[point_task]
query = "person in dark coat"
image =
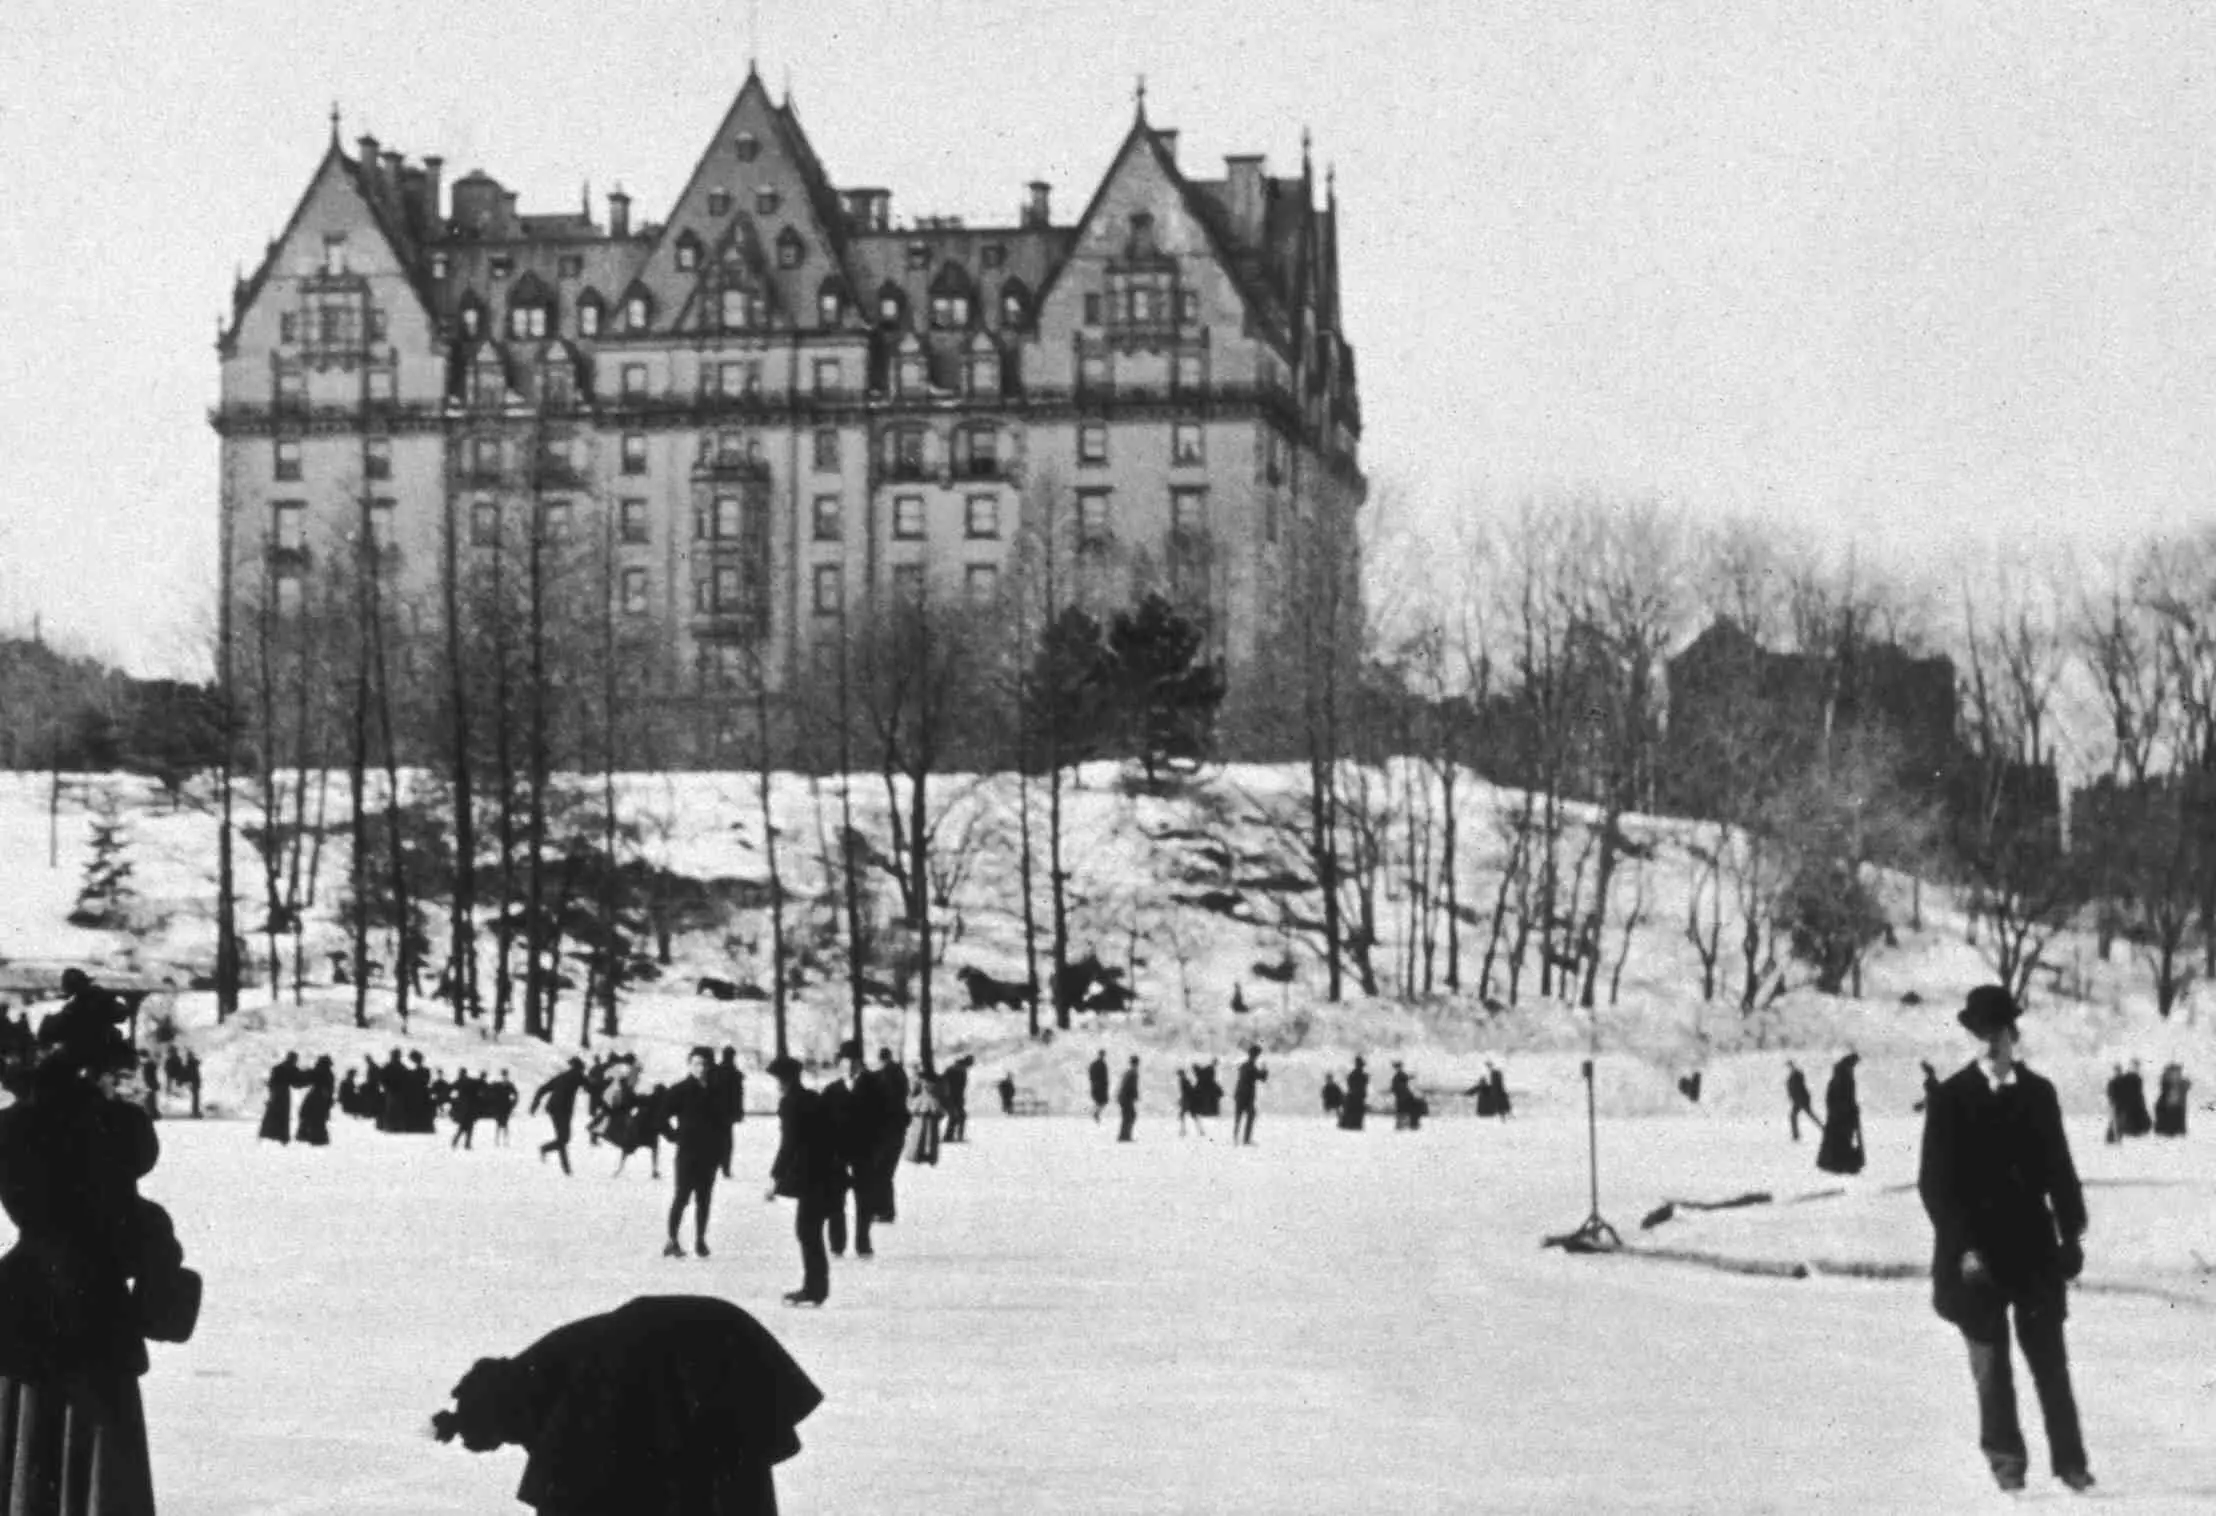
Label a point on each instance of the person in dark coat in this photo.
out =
(315, 1104)
(1096, 1075)
(2115, 1093)
(891, 1084)
(1502, 1106)
(806, 1171)
(2170, 1101)
(954, 1094)
(673, 1405)
(1006, 1090)
(1841, 1150)
(277, 1114)
(698, 1123)
(94, 1273)
(2133, 1119)
(465, 1102)
(1127, 1099)
(150, 1084)
(559, 1096)
(392, 1081)
(1796, 1091)
(2007, 1218)
(1334, 1098)
(1188, 1104)
(1931, 1083)
(1356, 1107)
(1245, 1084)
(729, 1083)
(854, 1119)
(192, 1082)
(500, 1104)
(1407, 1104)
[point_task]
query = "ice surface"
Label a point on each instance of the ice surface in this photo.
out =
(1324, 1322)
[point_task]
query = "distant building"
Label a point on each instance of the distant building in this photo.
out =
(778, 403)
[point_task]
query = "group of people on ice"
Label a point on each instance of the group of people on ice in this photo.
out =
(1840, 1151)
(2127, 1103)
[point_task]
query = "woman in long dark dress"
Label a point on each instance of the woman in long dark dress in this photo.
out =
(315, 1105)
(277, 1115)
(1356, 1106)
(1841, 1149)
(72, 1425)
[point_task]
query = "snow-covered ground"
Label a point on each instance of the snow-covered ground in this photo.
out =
(1324, 1322)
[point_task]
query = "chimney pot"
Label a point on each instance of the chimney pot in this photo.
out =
(1037, 212)
(433, 200)
(619, 214)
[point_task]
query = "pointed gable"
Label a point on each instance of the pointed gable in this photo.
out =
(757, 185)
(336, 204)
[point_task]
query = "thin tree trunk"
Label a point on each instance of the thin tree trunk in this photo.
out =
(462, 953)
(769, 850)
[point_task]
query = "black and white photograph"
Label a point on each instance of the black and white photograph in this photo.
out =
(1179, 758)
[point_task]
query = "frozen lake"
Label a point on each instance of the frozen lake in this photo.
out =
(1325, 1322)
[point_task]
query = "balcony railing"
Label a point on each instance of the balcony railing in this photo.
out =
(558, 474)
(731, 466)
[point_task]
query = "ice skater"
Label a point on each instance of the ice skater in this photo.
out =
(559, 1096)
(1355, 1109)
(315, 1105)
(1096, 1074)
(284, 1077)
(1188, 1105)
(1841, 1150)
(1127, 1099)
(954, 1094)
(890, 1082)
(1796, 1092)
(2007, 1215)
(805, 1171)
(729, 1084)
(1244, 1085)
(692, 1115)
(2170, 1100)
(1409, 1107)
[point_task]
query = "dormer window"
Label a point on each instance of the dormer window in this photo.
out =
(719, 202)
(738, 310)
(527, 322)
(913, 374)
(588, 315)
(688, 253)
(1015, 308)
(638, 313)
(766, 201)
(919, 255)
(747, 147)
(950, 311)
(558, 384)
(892, 306)
(791, 250)
(288, 327)
(830, 305)
(334, 255)
(984, 372)
(438, 265)
(488, 381)
(502, 265)
(473, 320)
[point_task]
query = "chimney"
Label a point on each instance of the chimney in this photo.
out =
(1036, 213)
(415, 209)
(508, 218)
(619, 214)
(434, 216)
(1167, 136)
(1242, 177)
(368, 146)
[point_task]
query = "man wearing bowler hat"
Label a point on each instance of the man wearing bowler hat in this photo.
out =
(2007, 1215)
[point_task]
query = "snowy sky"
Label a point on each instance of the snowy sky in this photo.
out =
(1916, 273)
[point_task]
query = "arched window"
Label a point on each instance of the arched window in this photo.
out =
(950, 298)
(472, 317)
(638, 311)
(892, 305)
(734, 309)
(488, 376)
(981, 367)
(591, 311)
(830, 303)
(792, 250)
(912, 373)
(688, 252)
(1015, 304)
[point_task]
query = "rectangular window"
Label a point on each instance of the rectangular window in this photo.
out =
(634, 524)
(376, 323)
(1189, 512)
(288, 530)
(554, 520)
(1092, 442)
(719, 202)
(828, 376)
(377, 458)
(830, 594)
(634, 452)
(1092, 517)
(904, 452)
(288, 458)
(380, 386)
(290, 593)
(570, 266)
(912, 374)
(384, 525)
(995, 254)
(982, 582)
(1092, 310)
(826, 518)
(1092, 373)
(588, 320)
(1185, 442)
(484, 523)
(908, 583)
(1188, 307)
(502, 265)
(484, 456)
(919, 255)
(634, 380)
(334, 254)
(1189, 380)
(981, 516)
(827, 449)
(634, 592)
(984, 373)
(727, 587)
(733, 311)
(729, 512)
(438, 265)
(288, 327)
(908, 517)
(729, 380)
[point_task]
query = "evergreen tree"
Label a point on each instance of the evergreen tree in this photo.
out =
(1167, 692)
(105, 900)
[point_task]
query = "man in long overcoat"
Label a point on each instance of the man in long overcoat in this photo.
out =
(693, 1114)
(1127, 1099)
(806, 1170)
(2006, 1214)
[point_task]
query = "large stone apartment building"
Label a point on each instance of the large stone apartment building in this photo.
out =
(778, 402)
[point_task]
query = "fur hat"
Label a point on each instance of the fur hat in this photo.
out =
(1989, 1008)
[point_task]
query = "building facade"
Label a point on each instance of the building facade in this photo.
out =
(777, 404)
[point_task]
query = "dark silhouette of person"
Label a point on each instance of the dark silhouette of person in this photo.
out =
(2170, 1101)
(1245, 1083)
(277, 1114)
(150, 1084)
(806, 1171)
(1127, 1099)
(890, 1082)
(2133, 1118)
(925, 1112)
(1355, 1109)
(729, 1084)
(94, 1273)
(1096, 1074)
(559, 1096)
(1006, 1089)
(2115, 1093)
(319, 1093)
(854, 1117)
(1407, 1105)
(2007, 1215)
(500, 1104)
(393, 1082)
(1334, 1098)
(466, 1102)
(1188, 1104)
(1796, 1093)
(1931, 1083)
(192, 1082)
(668, 1405)
(698, 1122)
(954, 1094)
(1841, 1150)
(1502, 1106)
